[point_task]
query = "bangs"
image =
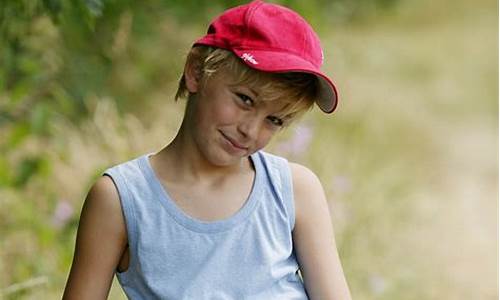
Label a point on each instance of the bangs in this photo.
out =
(296, 89)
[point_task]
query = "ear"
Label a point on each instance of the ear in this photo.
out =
(193, 71)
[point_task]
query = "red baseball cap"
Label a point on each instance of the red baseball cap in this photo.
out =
(272, 38)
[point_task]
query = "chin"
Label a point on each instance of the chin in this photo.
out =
(223, 159)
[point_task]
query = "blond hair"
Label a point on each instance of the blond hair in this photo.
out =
(298, 90)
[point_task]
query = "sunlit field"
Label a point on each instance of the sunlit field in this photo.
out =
(409, 161)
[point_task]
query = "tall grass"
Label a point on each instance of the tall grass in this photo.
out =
(408, 162)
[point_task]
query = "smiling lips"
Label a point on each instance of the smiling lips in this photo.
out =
(234, 143)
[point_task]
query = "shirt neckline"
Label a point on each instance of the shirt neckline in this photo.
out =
(197, 225)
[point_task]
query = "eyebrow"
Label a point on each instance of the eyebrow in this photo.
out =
(279, 114)
(254, 92)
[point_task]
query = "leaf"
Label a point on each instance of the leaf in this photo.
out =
(39, 119)
(18, 134)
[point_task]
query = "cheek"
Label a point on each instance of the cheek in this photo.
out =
(226, 113)
(214, 114)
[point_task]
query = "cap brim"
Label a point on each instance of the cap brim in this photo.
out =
(274, 61)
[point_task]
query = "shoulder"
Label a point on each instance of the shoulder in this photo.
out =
(314, 240)
(309, 195)
(103, 186)
(101, 239)
(102, 206)
(103, 193)
(304, 180)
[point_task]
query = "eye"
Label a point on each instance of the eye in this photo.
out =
(245, 99)
(275, 121)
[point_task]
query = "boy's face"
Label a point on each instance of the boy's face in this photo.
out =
(229, 122)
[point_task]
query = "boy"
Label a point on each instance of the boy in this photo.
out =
(211, 216)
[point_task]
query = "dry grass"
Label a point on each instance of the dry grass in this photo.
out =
(417, 139)
(409, 162)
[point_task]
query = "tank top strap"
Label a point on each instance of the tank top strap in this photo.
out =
(278, 170)
(131, 185)
(120, 174)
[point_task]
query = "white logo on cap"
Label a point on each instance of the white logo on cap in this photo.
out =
(249, 57)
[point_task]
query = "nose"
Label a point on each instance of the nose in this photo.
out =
(249, 127)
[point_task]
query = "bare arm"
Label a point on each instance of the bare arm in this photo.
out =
(314, 239)
(100, 242)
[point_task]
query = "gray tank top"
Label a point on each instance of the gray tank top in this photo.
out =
(249, 255)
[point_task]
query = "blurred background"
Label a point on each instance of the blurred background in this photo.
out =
(409, 161)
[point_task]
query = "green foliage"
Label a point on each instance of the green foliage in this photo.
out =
(57, 57)
(56, 54)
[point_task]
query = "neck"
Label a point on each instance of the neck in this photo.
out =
(185, 162)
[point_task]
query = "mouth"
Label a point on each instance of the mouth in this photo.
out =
(234, 143)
